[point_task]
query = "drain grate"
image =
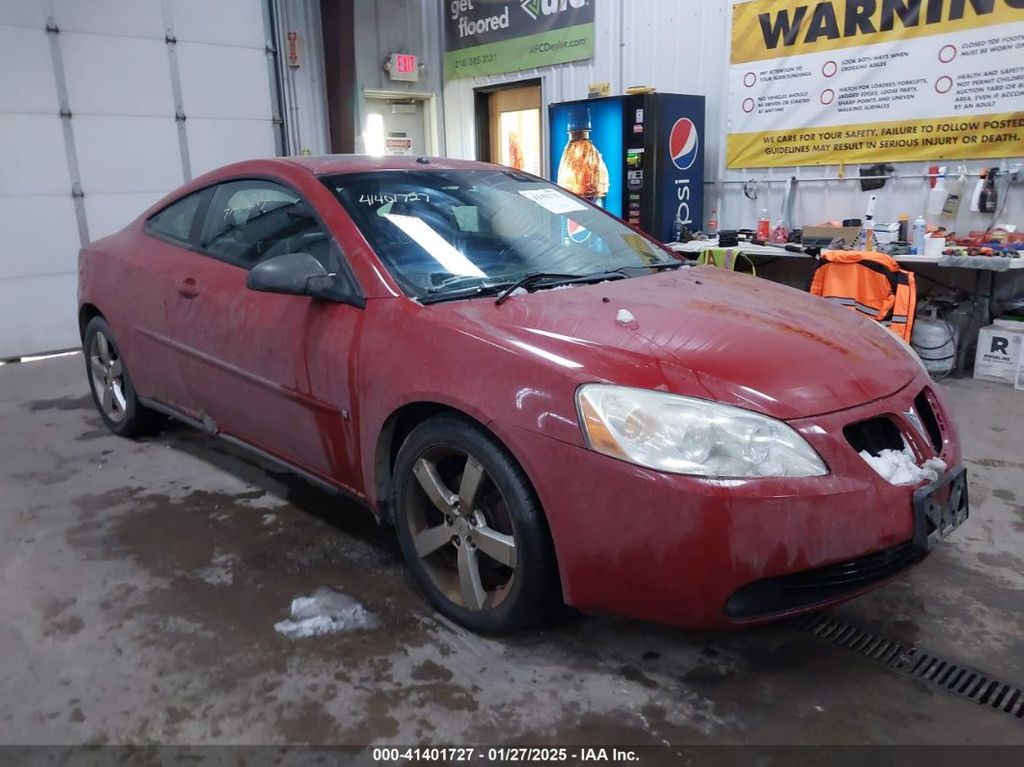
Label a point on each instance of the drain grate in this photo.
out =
(967, 682)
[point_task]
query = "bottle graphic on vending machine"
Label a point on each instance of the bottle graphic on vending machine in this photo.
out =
(582, 169)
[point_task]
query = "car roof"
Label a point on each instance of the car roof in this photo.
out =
(325, 165)
(317, 165)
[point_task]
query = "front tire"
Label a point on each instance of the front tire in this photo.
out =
(471, 530)
(111, 386)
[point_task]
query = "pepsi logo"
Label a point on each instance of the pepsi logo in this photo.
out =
(577, 232)
(683, 143)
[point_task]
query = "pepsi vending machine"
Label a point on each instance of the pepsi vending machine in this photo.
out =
(640, 157)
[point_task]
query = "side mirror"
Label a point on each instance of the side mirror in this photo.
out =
(296, 274)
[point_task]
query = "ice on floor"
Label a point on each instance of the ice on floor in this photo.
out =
(900, 466)
(220, 570)
(325, 612)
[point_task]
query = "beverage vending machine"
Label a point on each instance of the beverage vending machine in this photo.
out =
(640, 157)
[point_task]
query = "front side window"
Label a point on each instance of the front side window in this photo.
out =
(175, 221)
(438, 231)
(251, 220)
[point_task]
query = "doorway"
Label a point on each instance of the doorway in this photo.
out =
(509, 126)
(398, 124)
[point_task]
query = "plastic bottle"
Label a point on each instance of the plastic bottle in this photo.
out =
(713, 223)
(869, 224)
(582, 169)
(904, 227)
(937, 195)
(976, 194)
(919, 233)
(988, 200)
(763, 226)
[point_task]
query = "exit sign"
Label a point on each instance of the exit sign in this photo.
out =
(405, 67)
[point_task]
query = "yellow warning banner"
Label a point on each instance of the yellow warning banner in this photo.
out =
(875, 81)
(767, 29)
(1000, 135)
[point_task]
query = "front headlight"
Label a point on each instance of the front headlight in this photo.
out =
(683, 435)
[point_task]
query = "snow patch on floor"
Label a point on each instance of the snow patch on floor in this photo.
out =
(220, 570)
(266, 502)
(900, 466)
(325, 612)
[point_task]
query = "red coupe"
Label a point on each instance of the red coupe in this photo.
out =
(544, 418)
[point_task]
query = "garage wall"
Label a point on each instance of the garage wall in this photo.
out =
(673, 46)
(120, 70)
(303, 87)
(37, 213)
(683, 47)
(384, 27)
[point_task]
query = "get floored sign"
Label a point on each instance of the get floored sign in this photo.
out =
(486, 37)
(814, 83)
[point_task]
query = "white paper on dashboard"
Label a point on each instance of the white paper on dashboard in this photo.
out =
(553, 200)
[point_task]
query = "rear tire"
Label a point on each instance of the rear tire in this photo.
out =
(471, 530)
(111, 385)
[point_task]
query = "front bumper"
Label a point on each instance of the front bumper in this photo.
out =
(676, 549)
(786, 594)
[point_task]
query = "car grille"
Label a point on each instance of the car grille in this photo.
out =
(924, 404)
(794, 591)
(887, 432)
(874, 435)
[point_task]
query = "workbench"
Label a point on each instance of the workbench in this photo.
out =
(981, 294)
(694, 248)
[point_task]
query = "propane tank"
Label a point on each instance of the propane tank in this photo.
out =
(935, 341)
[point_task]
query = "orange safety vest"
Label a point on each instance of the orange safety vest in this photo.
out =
(870, 283)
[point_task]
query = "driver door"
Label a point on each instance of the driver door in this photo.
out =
(272, 370)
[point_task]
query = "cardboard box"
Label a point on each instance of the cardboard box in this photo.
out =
(821, 236)
(999, 351)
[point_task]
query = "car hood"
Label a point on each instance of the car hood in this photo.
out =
(714, 333)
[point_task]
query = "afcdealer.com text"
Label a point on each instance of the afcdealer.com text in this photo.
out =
(560, 45)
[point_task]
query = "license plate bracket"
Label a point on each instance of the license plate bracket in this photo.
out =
(940, 508)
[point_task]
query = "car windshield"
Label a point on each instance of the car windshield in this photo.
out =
(463, 232)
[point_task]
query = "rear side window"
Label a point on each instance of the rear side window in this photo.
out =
(175, 221)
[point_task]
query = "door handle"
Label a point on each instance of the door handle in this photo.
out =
(188, 288)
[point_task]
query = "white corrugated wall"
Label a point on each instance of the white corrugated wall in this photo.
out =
(682, 46)
(105, 106)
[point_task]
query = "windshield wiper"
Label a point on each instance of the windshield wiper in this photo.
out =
(504, 290)
(656, 265)
(436, 296)
(533, 278)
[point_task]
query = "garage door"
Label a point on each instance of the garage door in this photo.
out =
(105, 106)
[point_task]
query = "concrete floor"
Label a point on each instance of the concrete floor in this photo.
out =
(142, 580)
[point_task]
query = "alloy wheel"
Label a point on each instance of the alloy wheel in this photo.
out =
(107, 378)
(461, 528)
